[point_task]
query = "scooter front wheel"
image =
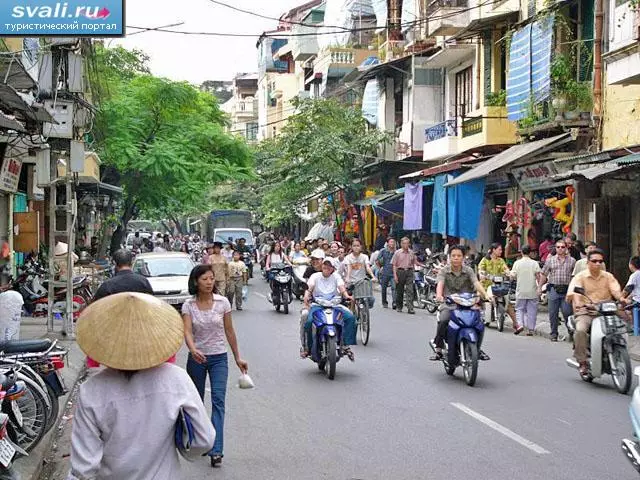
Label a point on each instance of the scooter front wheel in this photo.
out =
(332, 358)
(470, 365)
(622, 366)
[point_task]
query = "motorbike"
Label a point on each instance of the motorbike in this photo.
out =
(280, 280)
(425, 290)
(631, 446)
(326, 329)
(465, 330)
(299, 283)
(10, 420)
(247, 258)
(608, 352)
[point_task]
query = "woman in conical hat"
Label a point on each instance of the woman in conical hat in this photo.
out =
(125, 418)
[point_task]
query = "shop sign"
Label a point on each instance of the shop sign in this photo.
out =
(10, 174)
(535, 177)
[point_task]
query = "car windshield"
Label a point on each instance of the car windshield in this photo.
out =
(163, 266)
(235, 235)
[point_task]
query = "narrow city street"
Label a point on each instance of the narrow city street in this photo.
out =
(394, 415)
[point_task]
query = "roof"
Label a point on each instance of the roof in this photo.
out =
(510, 155)
(480, 24)
(444, 168)
(382, 68)
(590, 173)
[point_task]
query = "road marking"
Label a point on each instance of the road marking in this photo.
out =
(261, 295)
(563, 421)
(501, 429)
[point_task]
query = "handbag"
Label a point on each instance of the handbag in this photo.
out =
(184, 435)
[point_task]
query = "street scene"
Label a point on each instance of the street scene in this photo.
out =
(353, 239)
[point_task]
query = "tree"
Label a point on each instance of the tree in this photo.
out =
(166, 140)
(318, 152)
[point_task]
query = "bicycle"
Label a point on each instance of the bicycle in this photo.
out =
(362, 292)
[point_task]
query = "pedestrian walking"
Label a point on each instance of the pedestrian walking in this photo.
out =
(124, 280)
(125, 416)
(220, 268)
(386, 273)
(557, 274)
(237, 280)
(404, 261)
(526, 271)
(208, 327)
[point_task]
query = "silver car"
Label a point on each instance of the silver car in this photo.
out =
(168, 274)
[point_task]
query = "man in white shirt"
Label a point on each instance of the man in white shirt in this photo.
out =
(327, 285)
(527, 273)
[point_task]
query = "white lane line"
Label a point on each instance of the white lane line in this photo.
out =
(563, 421)
(261, 295)
(501, 429)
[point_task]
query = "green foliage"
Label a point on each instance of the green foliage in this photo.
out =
(318, 152)
(166, 140)
(562, 72)
(496, 99)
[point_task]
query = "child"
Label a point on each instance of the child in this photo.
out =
(237, 278)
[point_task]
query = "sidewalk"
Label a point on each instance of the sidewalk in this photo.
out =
(32, 466)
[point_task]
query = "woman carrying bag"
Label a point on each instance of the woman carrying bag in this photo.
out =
(125, 419)
(208, 327)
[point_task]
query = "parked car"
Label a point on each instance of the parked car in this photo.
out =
(168, 274)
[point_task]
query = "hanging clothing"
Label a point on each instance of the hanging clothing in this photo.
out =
(412, 206)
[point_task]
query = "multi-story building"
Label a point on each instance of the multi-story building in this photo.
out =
(242, 107)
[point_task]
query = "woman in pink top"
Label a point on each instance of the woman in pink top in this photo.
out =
(207, 328)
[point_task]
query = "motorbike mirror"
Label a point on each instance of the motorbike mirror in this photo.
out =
(428, 250)
(579, 290)
(446, 249)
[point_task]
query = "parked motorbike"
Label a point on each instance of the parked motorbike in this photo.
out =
(10, 418)
(608, 352)
(247, 258)
(280, 281)
(463, 336)
(327, 326)
(299, 283)
(631, 446)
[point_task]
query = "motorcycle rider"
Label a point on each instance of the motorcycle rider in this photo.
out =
(327, 285)
(317, 256)
(455, 277)
(599, 286)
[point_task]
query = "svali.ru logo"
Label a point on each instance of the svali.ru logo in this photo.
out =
(61, 10)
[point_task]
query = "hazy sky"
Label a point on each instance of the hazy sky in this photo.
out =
(199, 58)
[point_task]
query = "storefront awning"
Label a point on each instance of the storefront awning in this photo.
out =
(443, 168)
(510, 155)
(99, 188)
(385, 69)
(378, 199)
(590, 173)
(10, 123)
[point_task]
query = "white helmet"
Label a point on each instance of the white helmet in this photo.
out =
(318, 253)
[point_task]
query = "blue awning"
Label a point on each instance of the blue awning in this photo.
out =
(456, 210)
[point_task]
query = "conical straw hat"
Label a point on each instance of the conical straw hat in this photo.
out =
(130, 331)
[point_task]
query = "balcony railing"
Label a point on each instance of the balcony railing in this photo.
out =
(343, 56)
(471, 126)
(441, 130)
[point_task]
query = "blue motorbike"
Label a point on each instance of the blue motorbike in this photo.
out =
(463, 336)
(326, 331)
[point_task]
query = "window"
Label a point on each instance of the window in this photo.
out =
(464, 92)
(251, 131)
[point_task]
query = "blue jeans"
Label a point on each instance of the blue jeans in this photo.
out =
(557, 302)
(348, 331)
(218, 368)
(385, 282)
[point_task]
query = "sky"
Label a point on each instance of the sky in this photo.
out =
(198, 58)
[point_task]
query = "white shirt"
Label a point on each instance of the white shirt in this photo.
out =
(634, 280)
(525, 271)
(227, 253)
(358, 267)
(125, 428)
(325, 287)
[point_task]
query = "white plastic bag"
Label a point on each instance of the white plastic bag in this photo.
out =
(245, 381)
(245, 292)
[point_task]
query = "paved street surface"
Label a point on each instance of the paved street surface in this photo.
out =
(394, 415)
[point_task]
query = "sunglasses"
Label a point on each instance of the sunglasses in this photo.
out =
(561, 246)
(596, 261)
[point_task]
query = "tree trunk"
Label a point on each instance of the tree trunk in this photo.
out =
(178, 225)
(119, 235)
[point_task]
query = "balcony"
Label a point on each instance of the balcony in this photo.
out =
(338, 61)
(440, 141)
(304, 45)
(486, 126)
(447, 17)
(247, 108)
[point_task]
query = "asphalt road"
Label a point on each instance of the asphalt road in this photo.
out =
(394, 415)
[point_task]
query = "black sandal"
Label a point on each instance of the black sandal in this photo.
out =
(436, 357)
(216, 460)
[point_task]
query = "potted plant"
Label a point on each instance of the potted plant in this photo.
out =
(561, 77)
(584, 99)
